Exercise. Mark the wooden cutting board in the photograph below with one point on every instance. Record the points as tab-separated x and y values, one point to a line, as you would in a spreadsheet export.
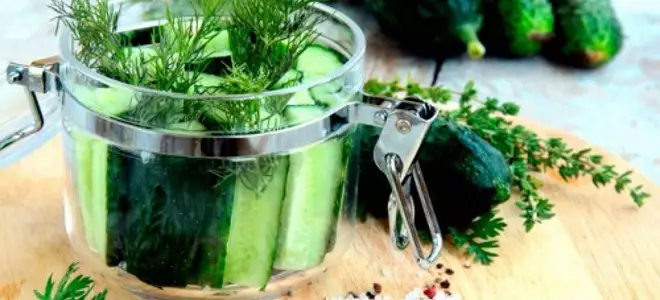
598	247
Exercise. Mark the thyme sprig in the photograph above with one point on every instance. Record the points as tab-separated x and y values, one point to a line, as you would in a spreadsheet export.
527	153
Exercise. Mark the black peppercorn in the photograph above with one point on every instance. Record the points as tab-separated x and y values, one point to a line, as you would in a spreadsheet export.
370	295
445	284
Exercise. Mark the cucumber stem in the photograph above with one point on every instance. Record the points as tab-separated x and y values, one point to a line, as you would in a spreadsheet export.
540	37
475	49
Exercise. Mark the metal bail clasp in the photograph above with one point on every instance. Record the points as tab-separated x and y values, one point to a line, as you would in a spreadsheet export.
404	129
401	202
38	77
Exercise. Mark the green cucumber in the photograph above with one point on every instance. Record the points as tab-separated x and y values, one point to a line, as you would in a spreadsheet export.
302	98
206	83
213	250
253	231
328	94
91	160
349	171
218	46
316	61
218	52
290	78
308	213
188	126
107	101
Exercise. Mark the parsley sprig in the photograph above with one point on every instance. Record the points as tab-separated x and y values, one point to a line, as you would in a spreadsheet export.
480	239
79	287
527	153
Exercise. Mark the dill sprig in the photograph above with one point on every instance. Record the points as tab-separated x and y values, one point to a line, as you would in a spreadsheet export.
263	50
79	287
527	154
269	45
91	24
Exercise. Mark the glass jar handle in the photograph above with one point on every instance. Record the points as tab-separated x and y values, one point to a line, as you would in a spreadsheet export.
38	77
405	123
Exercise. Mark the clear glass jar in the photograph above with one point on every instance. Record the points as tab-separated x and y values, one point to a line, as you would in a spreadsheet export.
171	209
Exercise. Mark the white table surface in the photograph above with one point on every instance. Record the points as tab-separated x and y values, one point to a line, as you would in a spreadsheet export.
616	107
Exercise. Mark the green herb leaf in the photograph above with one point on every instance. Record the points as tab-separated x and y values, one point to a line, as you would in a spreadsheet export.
480	240
69	287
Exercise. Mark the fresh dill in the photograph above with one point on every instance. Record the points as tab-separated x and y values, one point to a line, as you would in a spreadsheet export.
526	152
263	49
269	45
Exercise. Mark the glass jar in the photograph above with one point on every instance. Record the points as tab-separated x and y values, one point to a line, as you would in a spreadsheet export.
251	208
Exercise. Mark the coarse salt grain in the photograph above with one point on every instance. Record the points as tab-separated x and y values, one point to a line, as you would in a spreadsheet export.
387	272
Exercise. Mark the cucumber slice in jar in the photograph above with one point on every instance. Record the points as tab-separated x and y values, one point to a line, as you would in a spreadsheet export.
253	230
308	213
317	61
91	161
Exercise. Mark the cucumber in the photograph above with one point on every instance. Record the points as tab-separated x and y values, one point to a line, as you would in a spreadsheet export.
328	94
218	53
107	101
253	231
290	78
91	160
302	98
213	251
188	126
218	46
347	191
206	83
317	61
308	213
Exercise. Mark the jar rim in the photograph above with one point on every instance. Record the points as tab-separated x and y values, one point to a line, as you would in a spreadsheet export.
359	45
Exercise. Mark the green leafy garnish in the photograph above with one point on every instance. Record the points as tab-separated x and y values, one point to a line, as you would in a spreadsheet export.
480	239
526	152
79	287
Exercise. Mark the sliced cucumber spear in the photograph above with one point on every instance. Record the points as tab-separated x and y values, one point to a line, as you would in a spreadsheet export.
315	62
308	215
91	159
254	228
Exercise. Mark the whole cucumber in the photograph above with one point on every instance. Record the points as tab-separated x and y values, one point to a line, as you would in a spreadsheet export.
517	28
439	28
465	176
588	33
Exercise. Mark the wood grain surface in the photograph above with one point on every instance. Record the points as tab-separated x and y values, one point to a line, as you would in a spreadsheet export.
598	247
